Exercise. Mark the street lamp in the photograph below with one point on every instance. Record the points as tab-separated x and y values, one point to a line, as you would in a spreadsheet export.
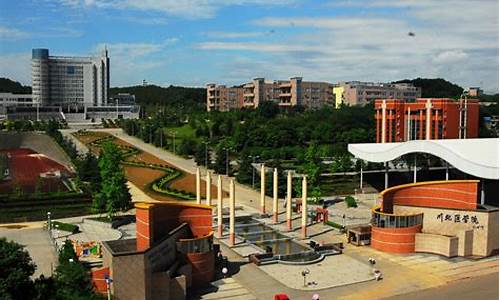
48	222
174	133
304	274
108	285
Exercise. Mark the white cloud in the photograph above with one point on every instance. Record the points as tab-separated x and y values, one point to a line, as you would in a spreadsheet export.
184	8
129	61
12	33
237	35
456	40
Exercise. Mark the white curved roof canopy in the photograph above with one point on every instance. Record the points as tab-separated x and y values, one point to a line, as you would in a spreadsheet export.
478	157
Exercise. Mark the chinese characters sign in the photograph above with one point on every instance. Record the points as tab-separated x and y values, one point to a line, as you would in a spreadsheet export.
458	218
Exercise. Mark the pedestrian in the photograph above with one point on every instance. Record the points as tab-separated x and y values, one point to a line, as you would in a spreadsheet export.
315	297
224	272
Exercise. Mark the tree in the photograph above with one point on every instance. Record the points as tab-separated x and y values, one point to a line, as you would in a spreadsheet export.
187	147
220	161
73	281
200	154
312	166
114	194
67	252
88	170
245	171
16	267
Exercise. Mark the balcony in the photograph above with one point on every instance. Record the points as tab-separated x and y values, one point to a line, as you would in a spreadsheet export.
285	95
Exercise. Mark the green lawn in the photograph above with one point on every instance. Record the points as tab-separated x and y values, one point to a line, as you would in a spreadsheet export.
181	132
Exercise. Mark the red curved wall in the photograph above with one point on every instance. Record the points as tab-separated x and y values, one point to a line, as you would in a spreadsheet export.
395	240
439	194
203	265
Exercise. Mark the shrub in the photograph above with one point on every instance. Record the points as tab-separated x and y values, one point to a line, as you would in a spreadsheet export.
66	226
350	201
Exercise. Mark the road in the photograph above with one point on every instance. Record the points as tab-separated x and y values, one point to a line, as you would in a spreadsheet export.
484	288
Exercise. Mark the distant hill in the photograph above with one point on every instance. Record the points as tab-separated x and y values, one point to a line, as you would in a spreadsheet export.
10	86
173	96
435	88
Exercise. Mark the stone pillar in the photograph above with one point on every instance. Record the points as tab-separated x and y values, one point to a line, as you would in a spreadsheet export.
198	186
384	121
304	207
262	189
209	189
289	200
231	212
275	196
386	175
219	207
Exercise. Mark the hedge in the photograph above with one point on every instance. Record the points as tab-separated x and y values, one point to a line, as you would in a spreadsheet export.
350	201
65	226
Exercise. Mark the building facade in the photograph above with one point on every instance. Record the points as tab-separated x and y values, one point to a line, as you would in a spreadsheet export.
9	99
427	118
360	93
173	251
441	217
475	92
286	93
69	81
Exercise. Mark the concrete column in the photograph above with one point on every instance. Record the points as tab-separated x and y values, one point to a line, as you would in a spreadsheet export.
231	212
275	196
436	125
304	207
482	192
209	190
386	175
198	186
428	117
289	200
219	207
414	168
262	189
384	121
361	178
408	125
390	127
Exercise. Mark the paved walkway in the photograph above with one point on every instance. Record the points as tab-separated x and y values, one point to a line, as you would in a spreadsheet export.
226	289
38	244
333	271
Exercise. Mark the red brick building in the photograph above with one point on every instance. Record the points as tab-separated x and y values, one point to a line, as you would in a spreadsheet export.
427	118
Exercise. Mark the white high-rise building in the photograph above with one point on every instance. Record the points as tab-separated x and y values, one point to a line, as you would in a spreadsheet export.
69	81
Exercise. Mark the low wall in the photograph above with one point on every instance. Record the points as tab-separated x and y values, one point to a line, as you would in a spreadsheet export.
437	244
395	240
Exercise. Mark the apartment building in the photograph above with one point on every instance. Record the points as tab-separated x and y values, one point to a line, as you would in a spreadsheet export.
222	98
360	93
427	118
286	93
65	81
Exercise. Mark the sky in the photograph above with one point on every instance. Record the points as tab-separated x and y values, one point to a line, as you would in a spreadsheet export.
194	42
